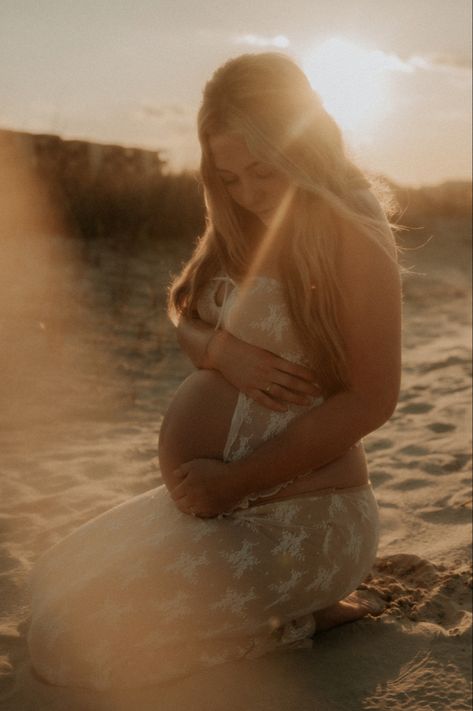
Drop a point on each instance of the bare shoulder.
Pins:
(381, 234)
(367, 259)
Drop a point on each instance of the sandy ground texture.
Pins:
(89, 366)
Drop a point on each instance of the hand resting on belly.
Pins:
(196, 426)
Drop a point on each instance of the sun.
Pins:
(353, 82)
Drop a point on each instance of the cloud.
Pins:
(171, 126)
(280, 41)
(172, 110)
(390, 62)
(175, 118)
(441, 62)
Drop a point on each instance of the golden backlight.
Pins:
(352, 81)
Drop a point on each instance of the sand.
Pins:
(89, 367)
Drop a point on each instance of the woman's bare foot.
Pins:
(350, 609)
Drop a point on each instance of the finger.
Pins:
(260, 397)
(298, 398)
(180, 491)
(299, 371)
(180, 472)
(294, 383)
(178, 476)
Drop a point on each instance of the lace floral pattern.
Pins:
(146, 608)
(257, 314)
(145, 593)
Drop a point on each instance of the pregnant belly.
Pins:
(197, 421)
(196, 425)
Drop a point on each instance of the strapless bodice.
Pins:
(254, 311)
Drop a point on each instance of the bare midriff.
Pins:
(196, 426)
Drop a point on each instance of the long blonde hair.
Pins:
(268, 100)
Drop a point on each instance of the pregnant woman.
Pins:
(266, 523)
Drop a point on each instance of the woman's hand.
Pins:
(204, 488)
(263, 376)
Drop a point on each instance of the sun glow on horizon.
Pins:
(353, 82)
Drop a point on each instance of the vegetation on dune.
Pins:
(123, 196)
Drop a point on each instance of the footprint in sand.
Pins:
(378, 476)
(416, 408)
(410, 484)
(421, 590)
(374, 445)
(440, 463)
(414, 450)
(445, 363)
(440, 427)
(457, 462)
(450, 515)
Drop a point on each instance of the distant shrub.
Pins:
(111, 193)
(450, 199)
(123, 197)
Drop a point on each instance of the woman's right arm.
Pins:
(193, 336)
(248, 368)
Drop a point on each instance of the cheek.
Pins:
(235, 194)
(279, 188)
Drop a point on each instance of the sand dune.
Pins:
(79, 433)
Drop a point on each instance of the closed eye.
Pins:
(259, 170)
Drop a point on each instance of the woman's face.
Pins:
(254, 185)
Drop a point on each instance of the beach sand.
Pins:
(89, 365)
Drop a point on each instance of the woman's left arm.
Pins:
(370, 320)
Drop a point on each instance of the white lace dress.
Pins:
(257, 314)
(145, 593)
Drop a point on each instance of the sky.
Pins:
(395, 74)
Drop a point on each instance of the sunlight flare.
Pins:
(352, 81)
